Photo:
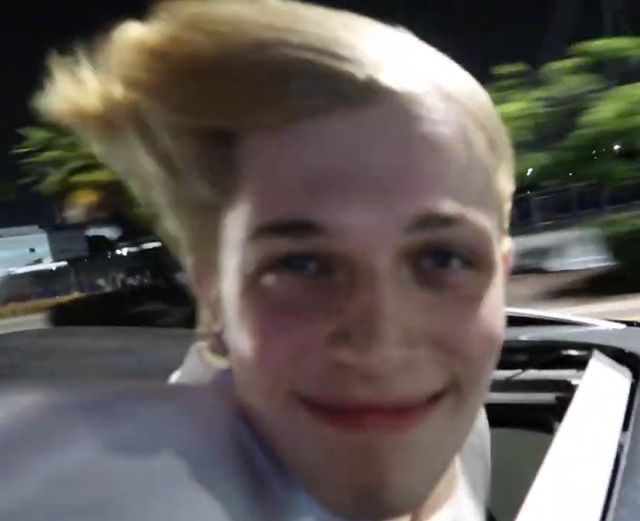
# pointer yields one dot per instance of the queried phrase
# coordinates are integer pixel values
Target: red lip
(387, 417)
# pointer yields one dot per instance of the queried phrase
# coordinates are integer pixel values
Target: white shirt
(473, 464)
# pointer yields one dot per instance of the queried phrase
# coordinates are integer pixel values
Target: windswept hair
(163, 100)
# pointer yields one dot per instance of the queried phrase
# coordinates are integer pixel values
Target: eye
(430, 265)
(304, 265)
(441, 259)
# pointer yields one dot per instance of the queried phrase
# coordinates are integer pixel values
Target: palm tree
(62, 167)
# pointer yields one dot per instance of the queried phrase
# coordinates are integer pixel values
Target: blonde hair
(163, 100)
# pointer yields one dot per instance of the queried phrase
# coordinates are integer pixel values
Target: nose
(372, 322)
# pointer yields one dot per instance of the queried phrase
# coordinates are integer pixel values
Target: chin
(372, 494)
(369, 475)
(372, 504)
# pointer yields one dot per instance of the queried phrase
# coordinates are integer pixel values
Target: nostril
(339, 335)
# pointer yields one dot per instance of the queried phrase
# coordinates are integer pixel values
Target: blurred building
(80, 260)
(23, 245)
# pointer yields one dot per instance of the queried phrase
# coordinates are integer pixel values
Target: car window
(558, 429)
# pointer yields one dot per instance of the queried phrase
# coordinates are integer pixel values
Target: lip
(390, 417)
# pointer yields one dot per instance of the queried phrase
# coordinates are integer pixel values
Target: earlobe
(215, 352)
(203, 287)
(506, 256)
(218, 345)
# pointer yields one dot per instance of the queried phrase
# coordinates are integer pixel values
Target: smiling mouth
(360, 416)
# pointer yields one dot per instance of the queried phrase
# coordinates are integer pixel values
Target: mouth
(391, 416)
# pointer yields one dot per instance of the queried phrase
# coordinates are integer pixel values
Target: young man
(339, 193)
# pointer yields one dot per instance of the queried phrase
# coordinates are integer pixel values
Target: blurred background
(76, 248)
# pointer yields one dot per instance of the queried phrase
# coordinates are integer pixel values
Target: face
(362, 297)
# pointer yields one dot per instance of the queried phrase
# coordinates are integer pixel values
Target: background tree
(62, 167)
(577, 118)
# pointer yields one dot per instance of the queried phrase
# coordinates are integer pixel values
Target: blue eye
(444, 260)
(440, 259)
(307, 265)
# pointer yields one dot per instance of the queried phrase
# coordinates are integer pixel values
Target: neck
(438, 498)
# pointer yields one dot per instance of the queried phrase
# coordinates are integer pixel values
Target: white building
(22, 246)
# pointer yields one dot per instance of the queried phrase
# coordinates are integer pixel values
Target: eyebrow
(288, 229)
(431, 221)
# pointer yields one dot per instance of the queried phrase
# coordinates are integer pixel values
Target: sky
(476, 33)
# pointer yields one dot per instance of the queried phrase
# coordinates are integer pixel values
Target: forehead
(383, 162)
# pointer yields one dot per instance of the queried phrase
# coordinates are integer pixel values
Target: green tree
(605, 143)
(621, 51)
(62, 167)
(575, 118)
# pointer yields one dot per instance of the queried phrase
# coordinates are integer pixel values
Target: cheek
(469, 337)
(282, 341)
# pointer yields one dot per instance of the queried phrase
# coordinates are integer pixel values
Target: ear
(506, 256)
(203, 281)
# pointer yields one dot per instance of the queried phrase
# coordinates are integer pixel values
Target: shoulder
(475, 458)
(99, 423)
(101, 456)
(470, 498)
(98, 409)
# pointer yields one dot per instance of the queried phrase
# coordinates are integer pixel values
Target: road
(23, 323)
(620, 307)
(540, 292)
